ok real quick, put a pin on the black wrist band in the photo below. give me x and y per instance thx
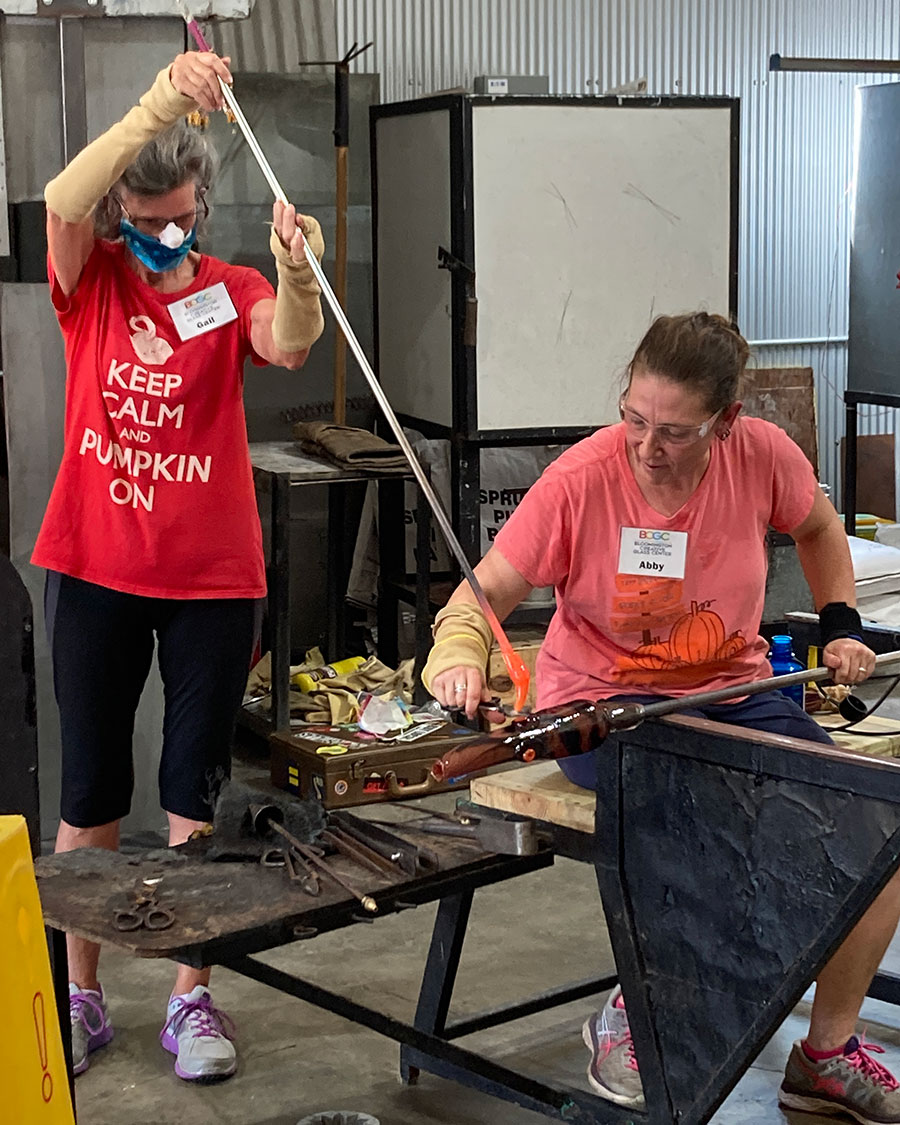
(837, 620)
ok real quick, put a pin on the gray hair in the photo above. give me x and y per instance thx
(181, 154)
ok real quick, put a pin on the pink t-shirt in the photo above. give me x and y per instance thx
(154, 494)
(622, 632)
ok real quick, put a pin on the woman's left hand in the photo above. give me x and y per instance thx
(849, 660)
(292, 228)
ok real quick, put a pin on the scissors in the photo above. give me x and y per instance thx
(299, 871)
(145, 912)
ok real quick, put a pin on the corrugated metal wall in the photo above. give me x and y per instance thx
(797, 129)
(277, 36)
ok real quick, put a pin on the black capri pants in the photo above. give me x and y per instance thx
(101, 643)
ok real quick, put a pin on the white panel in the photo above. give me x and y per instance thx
(589, 220)
(414, 338)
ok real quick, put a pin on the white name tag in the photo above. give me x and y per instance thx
(203, 311)
(660, 554)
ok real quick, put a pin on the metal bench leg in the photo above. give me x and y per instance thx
(440, 974)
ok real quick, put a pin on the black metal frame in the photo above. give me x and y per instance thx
(853, 400)
(466, 439)
(392, 563)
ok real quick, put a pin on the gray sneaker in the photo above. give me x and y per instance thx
(613, 1069)
(90, 1024)
(852, 1084)
(198, 1035)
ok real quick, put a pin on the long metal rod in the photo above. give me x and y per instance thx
(773, 683)
(516, 667)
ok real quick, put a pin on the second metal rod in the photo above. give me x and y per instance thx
(380, 397)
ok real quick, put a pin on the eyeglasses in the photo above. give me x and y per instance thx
(638, 427)
(152, 226)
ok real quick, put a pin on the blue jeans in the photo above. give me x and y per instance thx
(770, 711)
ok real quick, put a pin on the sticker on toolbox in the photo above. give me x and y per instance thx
(420, 730)
(319, 786)
(350, 743)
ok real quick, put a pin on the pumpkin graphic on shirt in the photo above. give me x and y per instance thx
(697, 637)
(148, 347)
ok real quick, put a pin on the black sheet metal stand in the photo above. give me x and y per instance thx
(720, 861)
(19, 793)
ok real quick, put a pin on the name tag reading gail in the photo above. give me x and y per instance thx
(203, 311)
(659, 553)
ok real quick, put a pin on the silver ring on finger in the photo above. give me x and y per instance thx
(459, 688)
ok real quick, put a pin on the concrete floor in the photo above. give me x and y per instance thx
(525, 936)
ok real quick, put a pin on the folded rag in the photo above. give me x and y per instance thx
(334, 700)
(347, 446)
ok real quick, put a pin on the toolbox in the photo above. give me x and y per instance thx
(339, 768)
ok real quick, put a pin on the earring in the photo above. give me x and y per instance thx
(723, 434)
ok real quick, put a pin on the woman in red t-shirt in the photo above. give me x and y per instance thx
(151, 532)
(652, 532)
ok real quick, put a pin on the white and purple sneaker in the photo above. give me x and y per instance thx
(90, 1024)
(196, 1033)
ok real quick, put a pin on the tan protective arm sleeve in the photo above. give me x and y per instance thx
(76, 191)
(462, 637)
(298, 319)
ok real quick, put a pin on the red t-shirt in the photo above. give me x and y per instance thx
(586, 529)
(154, 494)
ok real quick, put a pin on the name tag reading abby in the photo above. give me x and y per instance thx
(658, 553)
(203, 311)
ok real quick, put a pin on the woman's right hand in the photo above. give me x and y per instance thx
(460, 688)
(196, 74)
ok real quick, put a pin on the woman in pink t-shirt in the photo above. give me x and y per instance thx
(652, 532)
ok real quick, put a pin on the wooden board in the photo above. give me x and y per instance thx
(785, 396)
(541, 791)
(886, 745)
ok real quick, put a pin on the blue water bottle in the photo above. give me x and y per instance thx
(783, 661)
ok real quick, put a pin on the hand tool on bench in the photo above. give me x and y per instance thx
(515, 665)
(409, 857)
(145, 910)
(359, 853)
(297, 869)
(315, 856)
(492, 833)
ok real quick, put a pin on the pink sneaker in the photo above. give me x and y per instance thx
(852, 1083)
(613, 1069)
(196, 1033)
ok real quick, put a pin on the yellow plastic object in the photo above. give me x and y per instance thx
(867, 524)
(35, 1085)
(307, 681)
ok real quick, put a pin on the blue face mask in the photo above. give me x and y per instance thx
(154, 255)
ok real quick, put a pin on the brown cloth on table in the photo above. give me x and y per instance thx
(347, 446)
(334, 700)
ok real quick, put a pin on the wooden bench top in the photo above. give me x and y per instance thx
(543, 792)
